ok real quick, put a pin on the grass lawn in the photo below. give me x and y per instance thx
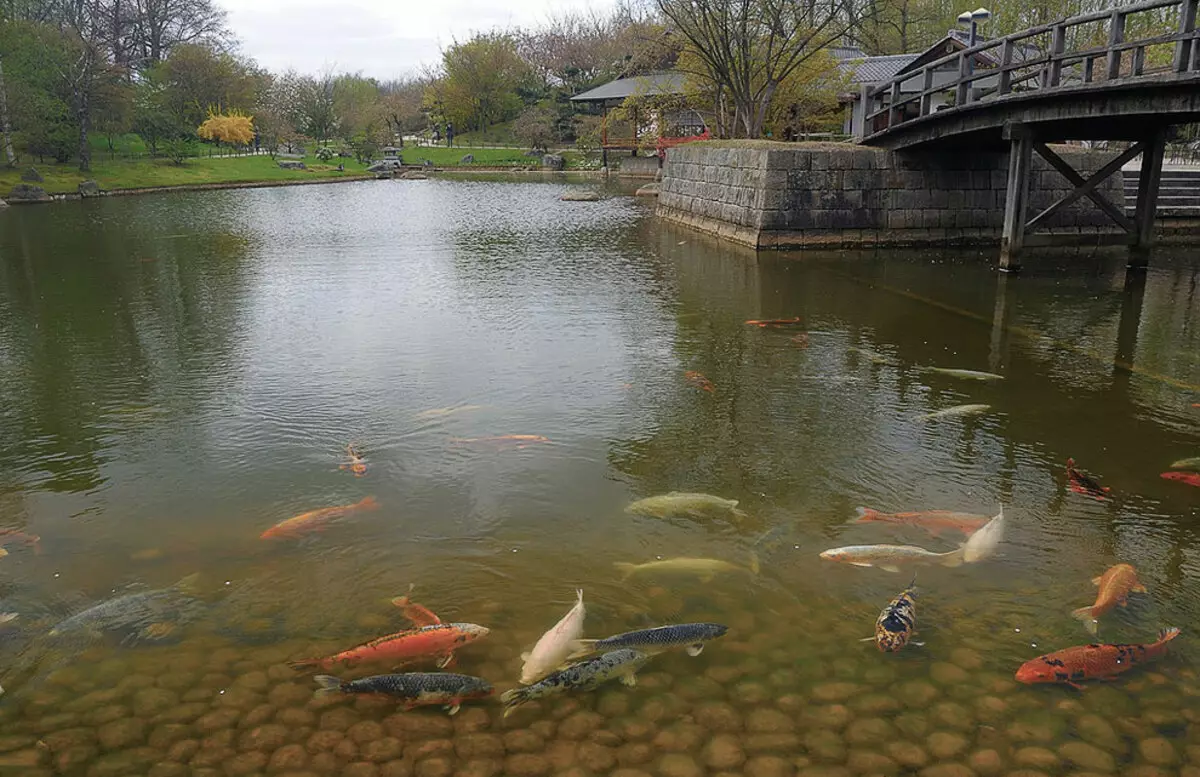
(449, 157)
(126, 174)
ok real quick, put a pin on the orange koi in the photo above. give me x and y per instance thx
(933, 521)
(417, 613)
(316, 520)
(699, 381)
(356, 464)
(1083, 484)
(1092, 662)
(1115, 586)
(438, 641)
(1190, 478)
(801, 339)
(765, 322)
(9, 536)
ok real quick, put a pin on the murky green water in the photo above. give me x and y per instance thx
(181, 372)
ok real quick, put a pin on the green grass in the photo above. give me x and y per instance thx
(449, 157)
(496, 135)
(136, 174)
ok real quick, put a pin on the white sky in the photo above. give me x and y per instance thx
(380, 38)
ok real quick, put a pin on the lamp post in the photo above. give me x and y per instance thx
(971, 20)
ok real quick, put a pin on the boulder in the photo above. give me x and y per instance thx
(469, 159)
(384, 165)
(413, 175)
(427, 163)
(24, 192)
(89, 189)
(649, 190)
(3, 204)
(553, 162)
(292, 164)
(32, 176)
(580, 195)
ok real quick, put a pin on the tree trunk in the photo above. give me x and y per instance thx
(84, 114)
(5, 127)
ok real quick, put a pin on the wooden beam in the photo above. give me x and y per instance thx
(1084, 188)
(1058, 45)
(962, 92)
(1116, 35)
(1012, 239)
(1185, 49)
(1147, 196)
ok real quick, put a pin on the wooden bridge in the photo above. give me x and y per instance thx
(1111, 75)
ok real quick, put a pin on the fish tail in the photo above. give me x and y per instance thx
(625, 568)
(912, 584)
(513, 698)
(368, 503)
(308, 663)
(1090, 623)
(581, 648)
(327, 684)
(866, 515)
(3, 552)
(1167, 634)
(755, 563)
(579, 595)
(188, 585)
(740, 515)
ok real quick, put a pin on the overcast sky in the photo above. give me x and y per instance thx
(380, 38)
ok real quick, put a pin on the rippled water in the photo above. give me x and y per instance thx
(181, 372)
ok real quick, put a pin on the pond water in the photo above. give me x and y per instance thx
(181, 372)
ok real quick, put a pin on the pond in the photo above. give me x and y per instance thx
(182, 372)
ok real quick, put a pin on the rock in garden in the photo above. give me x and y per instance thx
(88, 189)
(580, 195)
(649, 190)
(468, 159)
(292, 164)
(553, 162)
(31, 175)
(27, 193)
(413, 175)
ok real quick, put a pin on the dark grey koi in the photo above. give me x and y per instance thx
(415, 689)
(689, 635)
(584, 676)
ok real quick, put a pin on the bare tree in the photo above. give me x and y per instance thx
(746, 48)
(163, 24)
(5, 125)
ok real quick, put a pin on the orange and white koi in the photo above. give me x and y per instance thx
(356, 463)
(699, 381)
(1188, 478)
(438, 641)
(1117, 582)
(1092, 662)
(418, 614)
(933, 521)
(766, 322)
(316, 520)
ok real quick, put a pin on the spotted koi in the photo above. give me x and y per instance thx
(897, 623)
(1075, 665)
(1084, 484)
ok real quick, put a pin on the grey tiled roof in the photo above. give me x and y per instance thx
(651, 83)
(874, 70)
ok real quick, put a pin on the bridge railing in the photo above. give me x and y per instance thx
(1022, 66)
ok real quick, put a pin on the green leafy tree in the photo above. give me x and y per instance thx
(197, 79)
(536, 128)
(479, 82)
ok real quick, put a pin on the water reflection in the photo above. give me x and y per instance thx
(183, 372)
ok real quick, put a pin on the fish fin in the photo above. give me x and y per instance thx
(156, 631)
(1168, 634)
(525, 656)
(512, 699)
(865, 515)
(918, 644)
(1076, 686)
(755, 563)
(1122, 602)
(327, 684)
(8, 617)
(188, 585)
(581, 648)
(868, 639)
(452, 709)
(625, 568)
(694, 650)
(445, 661)
(1096, 580)
(308, 663)
(889, 567)
(1090, 623)
(954, 558)
(629, 679)
(860, 563)
(579, 596)
(1140, 589)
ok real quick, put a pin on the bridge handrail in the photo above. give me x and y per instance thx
(1047, 67)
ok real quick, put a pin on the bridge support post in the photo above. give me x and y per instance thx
(1147, 198)
(1020, 158)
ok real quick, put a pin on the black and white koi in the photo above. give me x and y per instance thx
(897, 623)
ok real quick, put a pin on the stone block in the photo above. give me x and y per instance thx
(819, 160)
(861, 178)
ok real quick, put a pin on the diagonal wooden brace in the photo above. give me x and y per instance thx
(1085, 188)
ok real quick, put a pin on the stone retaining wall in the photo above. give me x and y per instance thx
(770, 195)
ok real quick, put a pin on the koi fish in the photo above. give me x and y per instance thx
(617, 665)
(148, 615)
(765, 322)
(438, 641)
(517, 441)
(555, 645)
(1083, 484)
(955, 412)
(890, 557)
(1190, 478)
(705, 568)
(801, 339)
(1092, 662)
(356, 464)
(418, 614)
(686, 504)
(415, 689)
(690, 636)
(316, 520)
(9, 536)
(699, 381)
(983, 543)
(1115, 586)
(897, 623)
(1189, 463)
(965, 374)
(933, 521)
(445, 412)
(871, 356)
